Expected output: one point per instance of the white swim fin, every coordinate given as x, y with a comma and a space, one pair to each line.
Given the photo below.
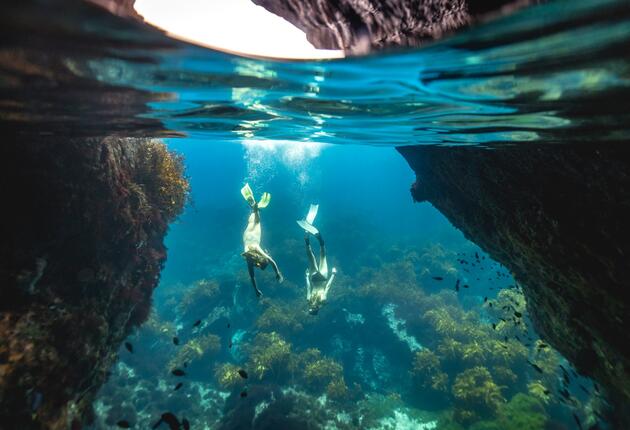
307, 223
310, 228
312, 213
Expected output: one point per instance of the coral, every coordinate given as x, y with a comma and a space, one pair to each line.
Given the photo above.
282, 318
538, 390
322, 371
476, 394
522, 412
427, 370
198, 296
337, 389
227, 375
161, 173
195, 349
269, 355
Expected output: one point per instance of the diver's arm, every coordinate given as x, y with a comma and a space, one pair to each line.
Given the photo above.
330, 281
308, 285
279, 276
250, 269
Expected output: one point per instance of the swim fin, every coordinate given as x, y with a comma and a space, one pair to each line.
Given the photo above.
264, 200
248, 195
310, 228
307, 223
312, 213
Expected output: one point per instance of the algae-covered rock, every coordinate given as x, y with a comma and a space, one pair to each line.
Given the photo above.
476, 395
269, 355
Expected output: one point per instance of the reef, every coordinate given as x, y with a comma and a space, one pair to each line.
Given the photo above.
556, 218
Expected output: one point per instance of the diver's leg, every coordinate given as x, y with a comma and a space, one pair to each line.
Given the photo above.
312, 264
250, 269
323, 264
251, 236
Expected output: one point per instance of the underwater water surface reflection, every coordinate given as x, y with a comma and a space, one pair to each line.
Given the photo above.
421, 329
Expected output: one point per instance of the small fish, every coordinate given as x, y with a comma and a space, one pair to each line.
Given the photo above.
129, 346
185, 364
476, 256
517, 338
577, 420
242, 373
457, 286
565, 393
535, 366
185, 424
230, 344
170, 419
503, 319
485, 299
466, 286
243, 393
178, 386
178, 372
228, 325
176, 340
546, 391
437, 278
494, 326
123, 424
517, 314
490, 304
583, 388
196, 324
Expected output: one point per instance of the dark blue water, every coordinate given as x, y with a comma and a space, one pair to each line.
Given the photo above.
421, 330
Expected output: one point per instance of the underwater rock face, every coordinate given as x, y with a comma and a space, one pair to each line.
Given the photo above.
557, 218
82, 251
357, 26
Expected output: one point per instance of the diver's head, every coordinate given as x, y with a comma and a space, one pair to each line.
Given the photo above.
314, 305
257, 259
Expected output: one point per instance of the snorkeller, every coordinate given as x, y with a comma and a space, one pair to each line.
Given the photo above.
318, 278
253, 252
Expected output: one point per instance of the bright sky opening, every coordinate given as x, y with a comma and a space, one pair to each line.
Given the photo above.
237, 26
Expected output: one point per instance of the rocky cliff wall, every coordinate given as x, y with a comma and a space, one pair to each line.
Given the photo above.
86, 205
357, 26
557, 217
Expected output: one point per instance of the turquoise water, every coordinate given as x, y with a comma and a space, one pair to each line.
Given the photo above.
397, 345
541, 75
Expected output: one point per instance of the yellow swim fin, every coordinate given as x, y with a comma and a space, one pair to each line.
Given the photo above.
248, 195
264, 200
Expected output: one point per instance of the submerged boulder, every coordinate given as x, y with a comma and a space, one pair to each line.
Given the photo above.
557, 217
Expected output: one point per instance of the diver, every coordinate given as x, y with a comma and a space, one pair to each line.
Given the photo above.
318, 278
253, 253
